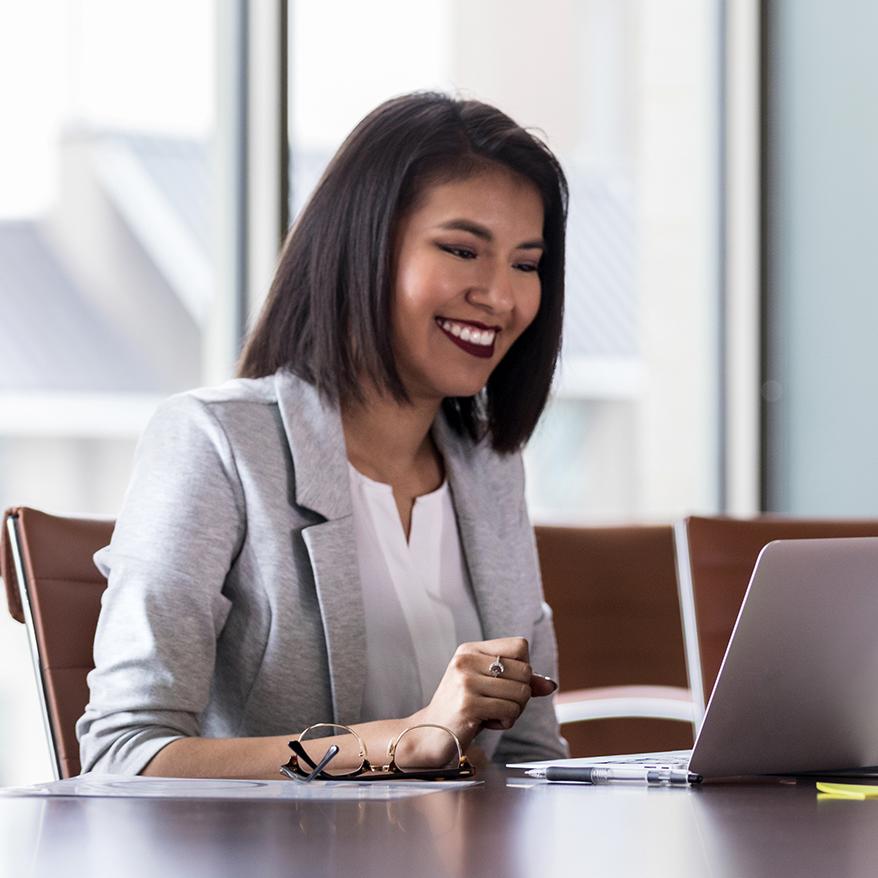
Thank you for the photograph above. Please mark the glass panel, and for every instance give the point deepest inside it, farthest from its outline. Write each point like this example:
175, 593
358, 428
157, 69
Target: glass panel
106, 263
819, 392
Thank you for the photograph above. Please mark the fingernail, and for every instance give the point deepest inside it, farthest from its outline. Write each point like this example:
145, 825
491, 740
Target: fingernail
554, 684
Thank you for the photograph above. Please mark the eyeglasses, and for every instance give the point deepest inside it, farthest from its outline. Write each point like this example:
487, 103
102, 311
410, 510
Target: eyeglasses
421, 752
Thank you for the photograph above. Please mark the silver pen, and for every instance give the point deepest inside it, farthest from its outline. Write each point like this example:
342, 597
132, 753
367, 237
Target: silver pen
597, 774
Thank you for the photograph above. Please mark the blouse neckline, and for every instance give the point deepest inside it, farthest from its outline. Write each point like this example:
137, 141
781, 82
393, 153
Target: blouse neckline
384, 488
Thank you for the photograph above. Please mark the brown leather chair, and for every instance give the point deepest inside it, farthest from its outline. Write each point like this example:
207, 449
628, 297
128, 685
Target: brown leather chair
613, 592
54, 588
715, 559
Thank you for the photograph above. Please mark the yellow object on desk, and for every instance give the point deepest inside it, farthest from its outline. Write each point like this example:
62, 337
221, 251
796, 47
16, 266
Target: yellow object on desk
847, 791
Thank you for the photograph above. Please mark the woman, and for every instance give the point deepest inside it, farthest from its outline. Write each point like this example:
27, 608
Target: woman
340, 534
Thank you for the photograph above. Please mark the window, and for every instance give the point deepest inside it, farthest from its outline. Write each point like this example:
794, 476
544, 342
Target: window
107, 277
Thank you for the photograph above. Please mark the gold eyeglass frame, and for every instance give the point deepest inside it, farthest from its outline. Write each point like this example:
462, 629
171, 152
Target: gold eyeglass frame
366, 770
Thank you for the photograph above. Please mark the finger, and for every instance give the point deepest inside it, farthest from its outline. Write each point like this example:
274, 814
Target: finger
505, 647
512, 668
498, 687
498, 710
508, 647
497, 726
541, 686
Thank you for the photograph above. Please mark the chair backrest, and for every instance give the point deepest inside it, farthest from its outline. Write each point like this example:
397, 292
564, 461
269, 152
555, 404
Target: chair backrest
613, 592
54, 588
715, 558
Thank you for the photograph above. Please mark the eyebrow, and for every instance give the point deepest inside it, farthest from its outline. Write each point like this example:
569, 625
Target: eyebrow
480, 231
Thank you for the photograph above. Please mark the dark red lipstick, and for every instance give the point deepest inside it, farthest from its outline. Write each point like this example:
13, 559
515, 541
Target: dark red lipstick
481, 351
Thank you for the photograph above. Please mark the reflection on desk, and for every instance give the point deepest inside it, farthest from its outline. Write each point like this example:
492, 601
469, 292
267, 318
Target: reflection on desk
500, 829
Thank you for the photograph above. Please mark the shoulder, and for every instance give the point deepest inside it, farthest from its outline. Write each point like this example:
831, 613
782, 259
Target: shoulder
235, 405
265, 425
477, 457
248, 391
218, 399
209, 422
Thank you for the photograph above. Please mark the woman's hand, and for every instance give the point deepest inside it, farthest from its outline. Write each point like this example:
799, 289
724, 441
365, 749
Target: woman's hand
469, 698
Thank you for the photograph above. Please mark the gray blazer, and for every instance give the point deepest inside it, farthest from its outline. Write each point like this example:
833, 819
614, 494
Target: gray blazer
234, 607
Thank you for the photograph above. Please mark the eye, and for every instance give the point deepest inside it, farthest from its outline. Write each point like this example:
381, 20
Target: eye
528, 267
460, 252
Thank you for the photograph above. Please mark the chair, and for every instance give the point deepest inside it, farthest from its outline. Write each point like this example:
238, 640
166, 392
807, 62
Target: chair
715, 557
54, 588
613, 592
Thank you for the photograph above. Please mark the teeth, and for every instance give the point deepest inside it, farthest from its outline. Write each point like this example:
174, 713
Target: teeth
483, 338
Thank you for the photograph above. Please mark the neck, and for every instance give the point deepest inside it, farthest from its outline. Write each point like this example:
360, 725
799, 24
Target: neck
386, 440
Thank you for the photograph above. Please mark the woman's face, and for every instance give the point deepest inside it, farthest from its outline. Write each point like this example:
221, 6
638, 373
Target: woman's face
466, 281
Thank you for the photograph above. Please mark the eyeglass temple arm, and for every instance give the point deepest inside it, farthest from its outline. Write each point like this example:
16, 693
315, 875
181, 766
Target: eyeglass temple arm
330, 754
302, 753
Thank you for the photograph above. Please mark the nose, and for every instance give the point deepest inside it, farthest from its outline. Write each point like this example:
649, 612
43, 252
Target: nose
494, 292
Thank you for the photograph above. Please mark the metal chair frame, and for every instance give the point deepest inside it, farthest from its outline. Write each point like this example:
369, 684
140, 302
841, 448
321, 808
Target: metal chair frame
33, 643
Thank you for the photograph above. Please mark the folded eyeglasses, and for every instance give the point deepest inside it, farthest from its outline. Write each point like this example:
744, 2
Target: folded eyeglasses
421, 752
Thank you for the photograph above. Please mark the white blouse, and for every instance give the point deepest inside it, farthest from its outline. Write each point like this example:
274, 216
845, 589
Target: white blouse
418, 602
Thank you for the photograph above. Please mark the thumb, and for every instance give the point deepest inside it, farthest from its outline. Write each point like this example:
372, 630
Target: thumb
540, 686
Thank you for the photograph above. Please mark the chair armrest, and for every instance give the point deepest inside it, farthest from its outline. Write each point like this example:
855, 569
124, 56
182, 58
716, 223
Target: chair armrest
606, 702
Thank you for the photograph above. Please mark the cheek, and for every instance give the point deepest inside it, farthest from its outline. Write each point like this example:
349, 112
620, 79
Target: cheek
419, 293
529, 309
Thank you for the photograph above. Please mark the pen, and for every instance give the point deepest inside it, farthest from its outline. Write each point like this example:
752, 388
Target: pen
596, 774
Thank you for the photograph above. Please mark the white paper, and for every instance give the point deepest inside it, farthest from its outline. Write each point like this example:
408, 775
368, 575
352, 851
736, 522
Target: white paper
658, 758
196, 788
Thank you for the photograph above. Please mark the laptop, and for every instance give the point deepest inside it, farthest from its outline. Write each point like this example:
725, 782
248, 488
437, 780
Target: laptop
797, 691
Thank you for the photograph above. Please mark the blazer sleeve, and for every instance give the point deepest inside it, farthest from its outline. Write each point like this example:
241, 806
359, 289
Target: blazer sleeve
181, 525
536, 734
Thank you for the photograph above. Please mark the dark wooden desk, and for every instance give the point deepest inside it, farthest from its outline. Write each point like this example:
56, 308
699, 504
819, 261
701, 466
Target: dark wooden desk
499, 830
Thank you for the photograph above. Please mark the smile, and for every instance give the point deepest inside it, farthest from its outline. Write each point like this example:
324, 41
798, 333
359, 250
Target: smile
475, 341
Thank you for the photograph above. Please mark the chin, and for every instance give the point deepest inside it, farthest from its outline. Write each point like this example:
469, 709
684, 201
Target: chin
462, 390
444, 386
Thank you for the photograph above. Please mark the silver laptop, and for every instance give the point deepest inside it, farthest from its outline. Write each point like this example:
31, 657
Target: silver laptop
797, 691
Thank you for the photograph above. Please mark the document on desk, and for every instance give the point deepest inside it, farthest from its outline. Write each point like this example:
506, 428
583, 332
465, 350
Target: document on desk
197, 788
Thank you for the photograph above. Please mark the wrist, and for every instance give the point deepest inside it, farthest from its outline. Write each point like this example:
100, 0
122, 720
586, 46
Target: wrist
463, 730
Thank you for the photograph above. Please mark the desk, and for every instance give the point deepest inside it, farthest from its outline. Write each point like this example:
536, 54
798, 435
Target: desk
498, 830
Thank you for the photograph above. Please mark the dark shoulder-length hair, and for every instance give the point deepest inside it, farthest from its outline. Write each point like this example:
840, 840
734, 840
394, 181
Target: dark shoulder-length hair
329, 306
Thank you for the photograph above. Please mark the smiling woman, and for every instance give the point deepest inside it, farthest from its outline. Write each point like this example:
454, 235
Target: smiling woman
339, 535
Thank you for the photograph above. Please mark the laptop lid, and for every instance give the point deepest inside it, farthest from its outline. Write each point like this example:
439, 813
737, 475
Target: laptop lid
796, 691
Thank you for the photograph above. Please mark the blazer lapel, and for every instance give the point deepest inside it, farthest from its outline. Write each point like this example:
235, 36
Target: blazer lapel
316, 440
321, 483
478, 486
331, 546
